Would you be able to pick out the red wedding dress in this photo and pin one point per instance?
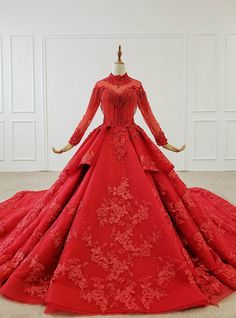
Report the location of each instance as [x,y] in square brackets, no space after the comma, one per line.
[118,231]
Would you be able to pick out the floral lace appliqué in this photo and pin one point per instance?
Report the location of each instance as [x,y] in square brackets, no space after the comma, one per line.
[119,141]
[118,255]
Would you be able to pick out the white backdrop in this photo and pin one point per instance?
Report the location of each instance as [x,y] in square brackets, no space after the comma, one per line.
[52,53]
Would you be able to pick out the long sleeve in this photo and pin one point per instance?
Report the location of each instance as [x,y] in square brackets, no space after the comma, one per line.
[149,117]
[87,118]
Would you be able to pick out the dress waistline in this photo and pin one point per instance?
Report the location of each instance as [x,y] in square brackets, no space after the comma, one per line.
[109,124]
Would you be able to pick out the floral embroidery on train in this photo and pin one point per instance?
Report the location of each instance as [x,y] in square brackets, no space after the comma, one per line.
[232,255]
[199,275]
[178,211]
[227,272]
[53,210]
[189,199]
[21,226]
[10,264]
[14,199]
[38,279]
[2,227]
[217,201]
[209,284]
[199,241]
[56,236]
[108,293]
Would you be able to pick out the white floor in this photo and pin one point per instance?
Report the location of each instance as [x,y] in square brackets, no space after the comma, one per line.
[222,183]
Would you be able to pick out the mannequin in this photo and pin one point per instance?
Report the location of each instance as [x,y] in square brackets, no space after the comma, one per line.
[119,68]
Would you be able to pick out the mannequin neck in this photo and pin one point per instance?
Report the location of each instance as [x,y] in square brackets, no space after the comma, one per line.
[119,69]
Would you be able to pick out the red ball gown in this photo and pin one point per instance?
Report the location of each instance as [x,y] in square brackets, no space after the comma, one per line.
[118,231]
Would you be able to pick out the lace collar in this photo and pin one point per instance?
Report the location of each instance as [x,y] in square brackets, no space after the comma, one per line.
[118,79]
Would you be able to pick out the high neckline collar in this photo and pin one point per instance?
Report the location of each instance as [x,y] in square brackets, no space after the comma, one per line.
[118,79]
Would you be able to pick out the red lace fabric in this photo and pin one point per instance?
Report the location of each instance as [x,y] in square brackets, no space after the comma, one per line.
[119,96]
[87,118]
[118,231]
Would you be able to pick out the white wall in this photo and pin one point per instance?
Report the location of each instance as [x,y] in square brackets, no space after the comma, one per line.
[52,53]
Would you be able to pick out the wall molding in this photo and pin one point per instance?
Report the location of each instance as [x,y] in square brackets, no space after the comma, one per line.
[3,140]
[225,127]
[1,76]
[228,108]
[194,157]
[14,158]
[32,109]
[202,108]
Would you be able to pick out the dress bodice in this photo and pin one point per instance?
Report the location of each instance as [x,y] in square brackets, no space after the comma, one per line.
[118,99]
[118,96]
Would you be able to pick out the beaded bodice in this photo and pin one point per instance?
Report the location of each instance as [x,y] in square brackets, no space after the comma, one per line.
[118,96]
[118,99]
